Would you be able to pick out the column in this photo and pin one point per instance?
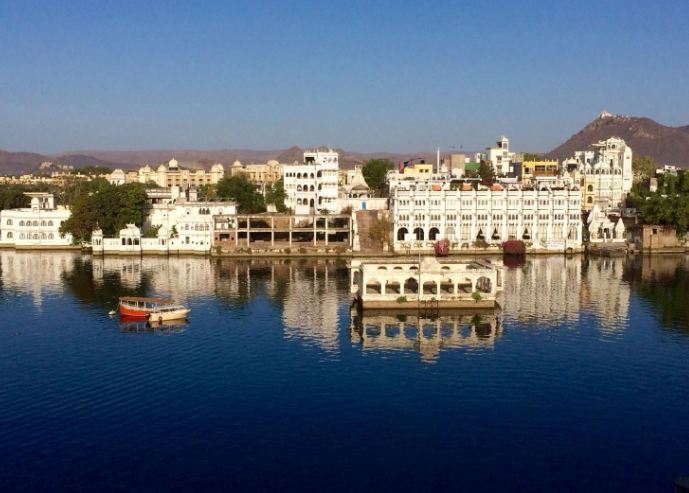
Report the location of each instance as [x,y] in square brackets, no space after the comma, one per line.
[272,231]
[315,231]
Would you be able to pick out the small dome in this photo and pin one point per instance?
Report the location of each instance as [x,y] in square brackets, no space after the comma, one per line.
[237,164]
[146,169]
[217,167]
[162,168]
[273,162]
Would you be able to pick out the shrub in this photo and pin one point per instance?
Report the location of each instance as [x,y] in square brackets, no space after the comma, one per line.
[287,251]
[302,250]
[402,299]
[442,248]
[476,296]
[248,250]
[218,249]
[514,247]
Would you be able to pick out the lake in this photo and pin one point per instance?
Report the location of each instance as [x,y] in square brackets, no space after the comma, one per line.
[579,383]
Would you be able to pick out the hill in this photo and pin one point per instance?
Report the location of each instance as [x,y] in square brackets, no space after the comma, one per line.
[667,145]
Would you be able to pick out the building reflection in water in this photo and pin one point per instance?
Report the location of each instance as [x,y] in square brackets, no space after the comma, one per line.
[542,292]
[376,330]
[546,291]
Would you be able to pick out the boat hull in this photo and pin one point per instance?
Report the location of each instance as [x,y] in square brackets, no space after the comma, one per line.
[153,314]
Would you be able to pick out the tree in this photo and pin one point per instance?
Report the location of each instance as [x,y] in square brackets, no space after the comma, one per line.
[530,157]
[152,232]
[111,209]
[207,192]
[486,172]
[381,229]
[375,171]
[277,195]
[643,167]
[13,198]
[92,170]
[243,191]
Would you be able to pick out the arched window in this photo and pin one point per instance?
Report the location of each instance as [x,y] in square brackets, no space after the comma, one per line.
[298,188]
[44,236]
[207,227]
[299,176]
[401,233]
[35,236]
[50,223]
[10,235]
[9,222]
[589,200]
[51,236]
[589,188]
[136,241]
[124,241]
[43,223]
[298,201]
[35,223]
[21,223]
[312,189]
[22,236]
[433,233]
[312,203]
[319,174]
[312,176]
[418,232]
[129,241]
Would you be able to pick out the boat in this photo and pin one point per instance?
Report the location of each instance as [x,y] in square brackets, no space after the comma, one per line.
[157,309]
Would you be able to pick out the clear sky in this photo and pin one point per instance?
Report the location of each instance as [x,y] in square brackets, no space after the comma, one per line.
[364,75]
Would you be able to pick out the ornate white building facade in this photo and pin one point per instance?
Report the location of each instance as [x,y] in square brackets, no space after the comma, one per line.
[424,212]
[606,168]
[313,186]
[37,226]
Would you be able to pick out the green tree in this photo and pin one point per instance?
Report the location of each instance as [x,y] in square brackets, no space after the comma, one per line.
[207,192]
[277,195]
[643,167]
[243,191]
[529,156]
[111,209]
[375,171]
[486,172]
[13,197]
[152,232]
[92,170]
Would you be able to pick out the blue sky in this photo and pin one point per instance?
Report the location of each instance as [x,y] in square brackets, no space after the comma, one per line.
[362,75]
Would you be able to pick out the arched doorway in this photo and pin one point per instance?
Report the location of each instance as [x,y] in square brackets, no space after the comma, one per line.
[418,232]
[402,233]
[433,234]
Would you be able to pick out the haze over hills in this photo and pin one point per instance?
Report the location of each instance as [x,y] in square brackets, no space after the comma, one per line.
[667,145]
[12,163]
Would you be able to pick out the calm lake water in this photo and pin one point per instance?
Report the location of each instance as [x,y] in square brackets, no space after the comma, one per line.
[580,383]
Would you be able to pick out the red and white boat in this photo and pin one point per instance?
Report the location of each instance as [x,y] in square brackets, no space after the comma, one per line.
[157,309]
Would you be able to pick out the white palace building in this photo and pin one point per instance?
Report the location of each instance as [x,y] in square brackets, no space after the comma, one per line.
[312,187]
[426,211]
[35,227]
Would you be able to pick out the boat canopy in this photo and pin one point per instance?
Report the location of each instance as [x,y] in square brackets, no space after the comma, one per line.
[135,299]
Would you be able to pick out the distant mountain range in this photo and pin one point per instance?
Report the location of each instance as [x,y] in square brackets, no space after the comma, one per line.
[667,145]
[13,163]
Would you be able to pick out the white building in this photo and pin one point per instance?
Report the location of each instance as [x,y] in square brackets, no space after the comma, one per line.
[609,163]
[35,227]
[424,212]
[500,156]
[118,177]
[312,187]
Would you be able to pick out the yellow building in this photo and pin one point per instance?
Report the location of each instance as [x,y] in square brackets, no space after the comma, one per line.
[266,174]
[420,170]
[588,192]
[538,169]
